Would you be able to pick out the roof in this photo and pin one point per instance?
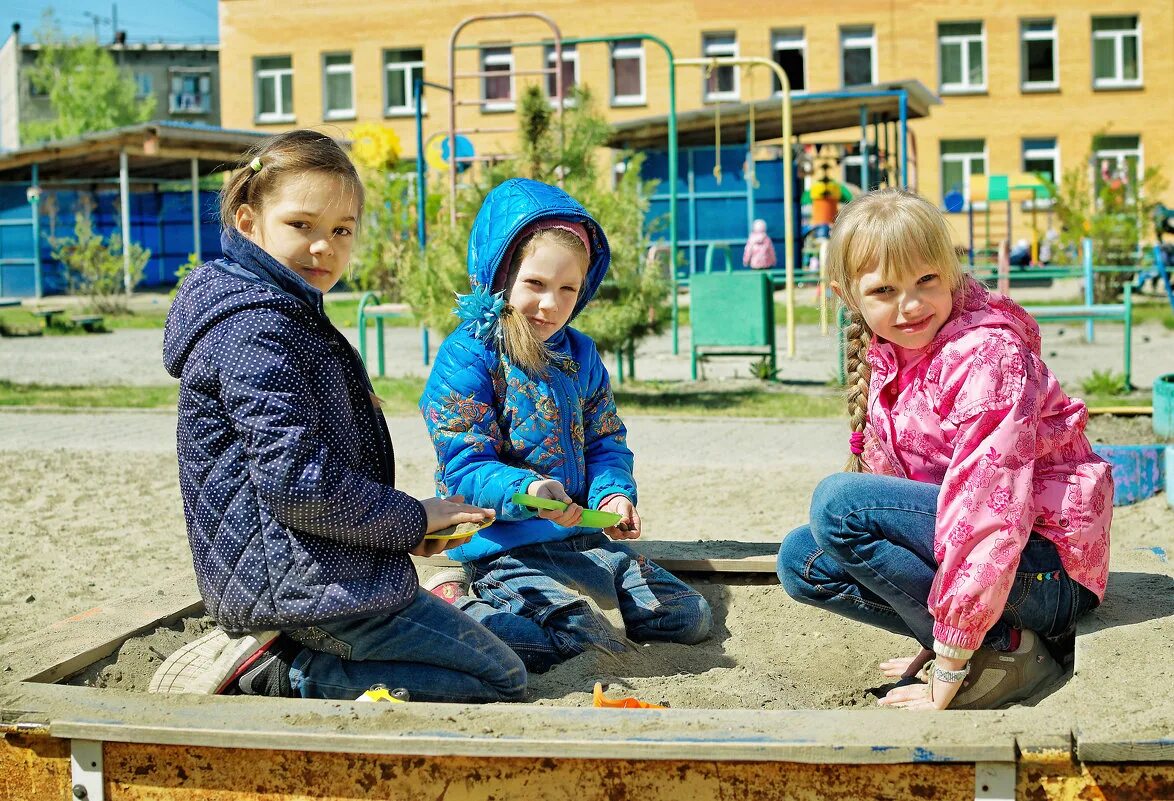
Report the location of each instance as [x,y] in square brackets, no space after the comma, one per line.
[155,150]
[810,113]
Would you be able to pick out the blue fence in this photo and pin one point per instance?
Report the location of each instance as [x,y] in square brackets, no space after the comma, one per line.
[159,221]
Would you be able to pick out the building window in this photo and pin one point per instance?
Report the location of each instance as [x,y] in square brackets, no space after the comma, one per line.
[497,89]
[962,158]
[401,70]
[1038,55]
[274,88]
[338,86]
[627,73]
[858,55]
[790,53]
[960,50]
[721,83]
[1116,52]
[144,84]
[191,91]
[570,71]
[853,167]
[1118,162]
[1041,157]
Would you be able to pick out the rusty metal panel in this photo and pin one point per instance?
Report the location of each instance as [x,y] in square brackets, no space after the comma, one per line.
[33,767]
[176,773]
[1055,777]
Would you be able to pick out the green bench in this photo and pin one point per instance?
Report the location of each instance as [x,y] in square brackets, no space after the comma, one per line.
[371,309]
[47,314]
[87,322]
[731,313]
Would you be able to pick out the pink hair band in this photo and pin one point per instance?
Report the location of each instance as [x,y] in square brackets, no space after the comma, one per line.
[856,442]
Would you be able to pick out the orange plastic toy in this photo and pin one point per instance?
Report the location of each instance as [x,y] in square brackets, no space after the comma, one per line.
[621,703]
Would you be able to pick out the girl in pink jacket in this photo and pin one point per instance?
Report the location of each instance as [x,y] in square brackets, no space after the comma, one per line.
[759,253]
[974,515]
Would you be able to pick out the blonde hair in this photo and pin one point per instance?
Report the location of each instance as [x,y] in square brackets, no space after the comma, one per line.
[263,168]
[902,233]
[519,340]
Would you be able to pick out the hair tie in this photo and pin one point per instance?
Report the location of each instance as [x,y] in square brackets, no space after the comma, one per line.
[256,164]
[856,442]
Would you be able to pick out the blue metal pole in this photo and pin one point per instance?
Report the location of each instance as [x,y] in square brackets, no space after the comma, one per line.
[421,178]
[864,177]
[903,102]
[36,204]
[1086,253]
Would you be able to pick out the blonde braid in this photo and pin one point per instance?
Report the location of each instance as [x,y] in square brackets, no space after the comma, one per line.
[857,339]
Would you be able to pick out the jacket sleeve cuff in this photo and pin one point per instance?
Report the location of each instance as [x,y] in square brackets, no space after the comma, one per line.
[951,651]
[946,636]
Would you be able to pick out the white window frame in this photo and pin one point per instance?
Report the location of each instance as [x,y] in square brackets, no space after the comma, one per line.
[337,69]
[965,159]
[1117,36]
[963,42]
[1026,36]
[790,39]
[275,74]
[1039,153]
[570,56]
[203,76]
[405,70]
[492,56]
[852,36]
[628,50]
[720,44]
[1119,156]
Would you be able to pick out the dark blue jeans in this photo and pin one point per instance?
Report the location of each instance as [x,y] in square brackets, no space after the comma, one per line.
[428,648]
[867,554]
[535,599]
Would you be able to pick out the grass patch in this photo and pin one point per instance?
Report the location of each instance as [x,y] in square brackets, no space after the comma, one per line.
[112,397]
[726,400]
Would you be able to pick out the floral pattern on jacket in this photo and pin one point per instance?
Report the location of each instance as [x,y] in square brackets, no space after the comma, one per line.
[979,413]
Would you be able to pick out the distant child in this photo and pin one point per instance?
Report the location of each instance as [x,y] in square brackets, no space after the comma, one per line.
[518,402]
[975,516]
[759,253]
[300,539]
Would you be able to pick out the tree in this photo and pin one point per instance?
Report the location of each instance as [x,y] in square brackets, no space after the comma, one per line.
[96,267]
[86,89]
[1113,208]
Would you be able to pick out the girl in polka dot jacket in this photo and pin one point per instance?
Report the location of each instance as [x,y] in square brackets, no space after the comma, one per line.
[299,537]
[519,402]
[974,515]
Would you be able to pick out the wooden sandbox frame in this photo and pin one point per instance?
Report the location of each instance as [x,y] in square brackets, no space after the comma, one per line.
[63,741]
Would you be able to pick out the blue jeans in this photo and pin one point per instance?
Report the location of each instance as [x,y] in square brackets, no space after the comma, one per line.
[867,554]
[532,597]
[428,648]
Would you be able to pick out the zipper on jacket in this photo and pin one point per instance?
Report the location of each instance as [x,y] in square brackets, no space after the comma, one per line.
[568,443]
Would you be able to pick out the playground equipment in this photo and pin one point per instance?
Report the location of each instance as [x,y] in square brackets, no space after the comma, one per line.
[732,311]
[371,309]
[990,189]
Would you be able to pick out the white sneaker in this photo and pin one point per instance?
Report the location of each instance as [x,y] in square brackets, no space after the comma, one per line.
[448,585]
[210,664]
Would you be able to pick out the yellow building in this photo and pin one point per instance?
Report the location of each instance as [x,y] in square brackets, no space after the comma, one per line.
[1022,90]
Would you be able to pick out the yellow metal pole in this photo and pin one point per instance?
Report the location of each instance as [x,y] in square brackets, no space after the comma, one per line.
[788,164]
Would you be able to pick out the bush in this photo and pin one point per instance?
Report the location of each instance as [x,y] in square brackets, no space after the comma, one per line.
[94,267]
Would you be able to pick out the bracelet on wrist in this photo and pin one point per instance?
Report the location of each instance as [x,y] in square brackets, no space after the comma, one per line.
[951,676]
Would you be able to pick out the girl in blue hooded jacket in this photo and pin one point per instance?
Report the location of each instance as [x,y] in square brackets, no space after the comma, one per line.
[299,538]
[519,402]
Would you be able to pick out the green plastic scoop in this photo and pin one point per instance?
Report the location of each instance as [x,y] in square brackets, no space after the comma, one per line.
[592,518]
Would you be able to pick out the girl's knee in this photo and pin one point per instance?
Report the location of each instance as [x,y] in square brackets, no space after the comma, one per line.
[692,619]
[511,685]
[796,554]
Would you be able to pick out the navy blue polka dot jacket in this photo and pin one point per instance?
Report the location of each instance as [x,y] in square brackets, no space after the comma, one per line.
[286,468]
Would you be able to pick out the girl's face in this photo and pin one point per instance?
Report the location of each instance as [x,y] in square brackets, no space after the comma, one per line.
[307,224]
[547,287]
[907,310]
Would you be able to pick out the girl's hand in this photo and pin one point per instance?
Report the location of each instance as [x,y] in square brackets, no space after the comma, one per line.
[936,695]
[550,488]
[905,666]
[444,512]
[629,527]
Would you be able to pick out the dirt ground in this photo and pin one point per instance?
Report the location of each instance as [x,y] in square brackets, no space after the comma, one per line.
[81,526]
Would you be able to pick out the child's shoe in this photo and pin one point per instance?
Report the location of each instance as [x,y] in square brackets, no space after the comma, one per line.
[448,585]
[999,678]
[211,664]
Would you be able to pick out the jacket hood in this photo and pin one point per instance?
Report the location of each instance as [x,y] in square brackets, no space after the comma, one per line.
[510,208]
[206,298]
[974,307]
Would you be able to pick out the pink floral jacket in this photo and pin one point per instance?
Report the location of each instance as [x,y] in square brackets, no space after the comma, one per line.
[979,413]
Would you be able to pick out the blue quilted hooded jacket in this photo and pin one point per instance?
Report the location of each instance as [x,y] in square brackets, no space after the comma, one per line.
[285,466]
[495,428]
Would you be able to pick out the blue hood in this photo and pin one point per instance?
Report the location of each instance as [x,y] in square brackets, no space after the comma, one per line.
[512,206]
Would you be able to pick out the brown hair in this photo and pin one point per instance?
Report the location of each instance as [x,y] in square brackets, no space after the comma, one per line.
[521,344]
[901,232]
[290,153]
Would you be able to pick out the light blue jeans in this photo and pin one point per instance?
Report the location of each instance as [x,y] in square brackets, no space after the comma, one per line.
[428,648]
[867,554]
[535,599]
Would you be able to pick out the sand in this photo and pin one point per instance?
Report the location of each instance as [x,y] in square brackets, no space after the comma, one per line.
[86,524]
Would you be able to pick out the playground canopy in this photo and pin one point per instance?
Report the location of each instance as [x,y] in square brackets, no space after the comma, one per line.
[811,112]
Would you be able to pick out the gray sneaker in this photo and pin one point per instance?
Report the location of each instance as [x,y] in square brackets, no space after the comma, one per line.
[1001,678]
